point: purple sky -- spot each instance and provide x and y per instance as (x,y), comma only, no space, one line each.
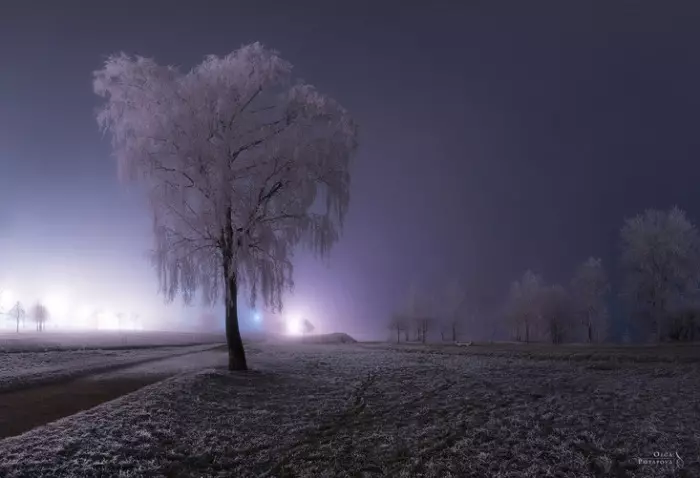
(495,137)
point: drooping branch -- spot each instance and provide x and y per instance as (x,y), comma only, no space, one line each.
(235,155)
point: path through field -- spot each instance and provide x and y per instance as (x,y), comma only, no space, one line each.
(26,409)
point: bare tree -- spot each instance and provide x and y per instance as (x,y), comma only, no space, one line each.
(234,155)
(423,324)
(523,306)
(453,305)
(418,313)
(661,262)
(40,314)
(399,323)
(589,288)
(18,313)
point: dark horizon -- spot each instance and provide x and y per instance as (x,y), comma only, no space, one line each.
(494,138)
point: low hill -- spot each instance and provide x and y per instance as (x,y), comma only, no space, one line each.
(334,338)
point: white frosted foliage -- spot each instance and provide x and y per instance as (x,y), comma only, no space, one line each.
(234,155)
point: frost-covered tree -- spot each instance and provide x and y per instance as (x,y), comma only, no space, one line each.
(661,263)
(589,288)
(556,312)
(523,307)
(17,312)
(241,165)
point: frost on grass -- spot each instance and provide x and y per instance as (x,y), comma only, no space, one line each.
(23,369)
(79,340)
(352,410)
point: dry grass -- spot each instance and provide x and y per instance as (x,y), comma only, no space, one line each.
(358,410)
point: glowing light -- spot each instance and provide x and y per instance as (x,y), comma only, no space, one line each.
(7,299)
(57,305)
(256,316)
(294,326)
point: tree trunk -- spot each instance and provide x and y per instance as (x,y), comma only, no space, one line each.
(527,332)
(398,335)
(454,332)
(236,352)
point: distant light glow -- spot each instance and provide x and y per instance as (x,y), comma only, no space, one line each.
(7,299)
(294,326)
(257,317)
(57,304)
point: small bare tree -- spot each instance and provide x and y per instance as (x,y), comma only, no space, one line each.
(40,314)
(454,309)
(589,288)
(418,313)
(233,154)
(18,313)
(399,323)
(423,325)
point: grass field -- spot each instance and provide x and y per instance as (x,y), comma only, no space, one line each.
(73,340)
(383,410)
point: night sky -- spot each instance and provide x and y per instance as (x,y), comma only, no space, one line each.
(495,137)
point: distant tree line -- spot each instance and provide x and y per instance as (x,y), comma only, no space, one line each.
(660,289)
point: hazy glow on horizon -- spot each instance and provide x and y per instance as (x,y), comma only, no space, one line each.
(58,304)
(7,299)
(293,326)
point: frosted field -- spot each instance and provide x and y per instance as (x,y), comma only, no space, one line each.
(24,369)
(44,341)
(32,358)
(359,410)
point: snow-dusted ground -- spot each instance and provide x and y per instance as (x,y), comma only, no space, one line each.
(22,369)
(171,366)
(45,341)
(354,410)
